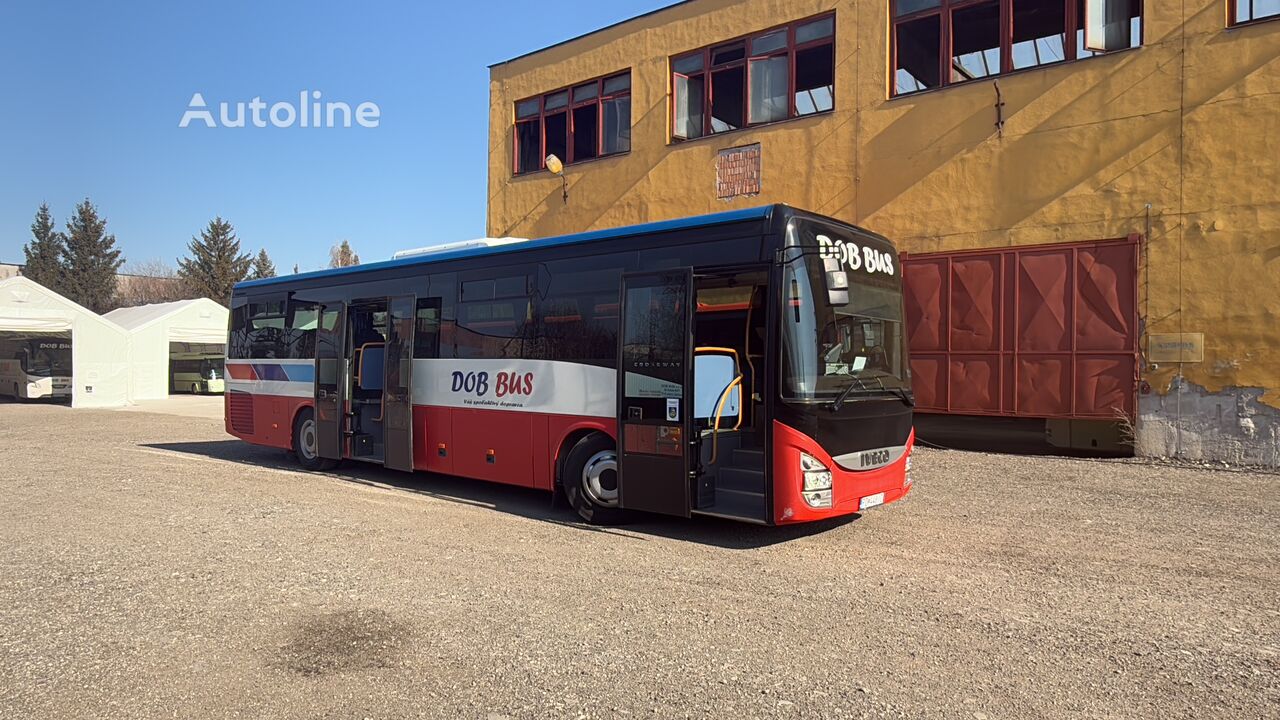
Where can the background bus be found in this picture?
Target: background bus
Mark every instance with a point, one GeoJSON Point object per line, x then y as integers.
{"type": "Point", "coordinates": [198, 372]}
{"type": "Point", "coordinates": [35, 366]}
{"type": "Point", "coordinates": [749, 365]}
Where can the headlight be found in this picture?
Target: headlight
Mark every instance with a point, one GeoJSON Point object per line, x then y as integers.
{"type": "Point", "coordinates": [817, 481]}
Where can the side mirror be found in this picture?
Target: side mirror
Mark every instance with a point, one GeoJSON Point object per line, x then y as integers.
{"type": "Point", "coordinates": [713, 373]}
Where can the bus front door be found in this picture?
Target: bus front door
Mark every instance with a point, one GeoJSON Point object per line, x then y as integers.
{"type": "Point", "coordinates": [331, 371]}
{"type": "Point", "coordinates": [655, 354]}
{"type": "Point", "coordinates": [397, 387]}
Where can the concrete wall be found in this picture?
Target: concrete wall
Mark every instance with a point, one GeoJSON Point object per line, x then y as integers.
{"type": "Point", "coordinates": [1182, 130]}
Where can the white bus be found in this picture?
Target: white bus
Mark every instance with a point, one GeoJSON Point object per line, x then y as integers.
{"type": "Point", "coordinates": [34, 366]}
{"type": "Point", "coordinates": [198, 373]}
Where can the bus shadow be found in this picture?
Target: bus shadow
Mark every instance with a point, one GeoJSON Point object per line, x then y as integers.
{"type": "Point", "coordinates": [513, 500]}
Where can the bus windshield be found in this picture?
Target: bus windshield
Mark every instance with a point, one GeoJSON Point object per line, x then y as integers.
{"type": "Point", "coordinates": [833, 337]}
{"type": "Point", "coordinates": [48, 359]}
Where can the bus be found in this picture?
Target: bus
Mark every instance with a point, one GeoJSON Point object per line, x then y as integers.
{"type": "Point", "coordinates": [750, 364]}
{"type": "Point", "coordinates": [198, 372]}
{"type": "Point", "coordinates": [35, 366]}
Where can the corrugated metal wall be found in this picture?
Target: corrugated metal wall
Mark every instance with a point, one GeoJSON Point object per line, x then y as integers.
{"type": "Point", "coordinates": [1037, 331]}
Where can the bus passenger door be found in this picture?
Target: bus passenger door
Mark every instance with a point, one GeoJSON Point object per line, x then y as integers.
{"type": "Point", "coordinates": [655, 457]}
{"type": "Point", "coordinates": [397, 388]}
{"type": "Point", "coordinates": [331, 371]}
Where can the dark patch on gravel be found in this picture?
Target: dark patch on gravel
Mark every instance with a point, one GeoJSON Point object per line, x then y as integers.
{"type": "Point", "coordinates": [345, 641]}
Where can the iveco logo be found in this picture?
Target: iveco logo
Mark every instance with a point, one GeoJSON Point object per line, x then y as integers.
{"type": "Point", "coordinates": [875, 458]}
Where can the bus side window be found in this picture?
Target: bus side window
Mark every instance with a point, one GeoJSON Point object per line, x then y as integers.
{"type": "Point", "coordinates": [239, 347]}
{"type": "Point", "coordinates": [300, 331]}
{"type": "Point", "coordinates": [426, 339]}
{"type": "Point", "coordinates": [266, 330]}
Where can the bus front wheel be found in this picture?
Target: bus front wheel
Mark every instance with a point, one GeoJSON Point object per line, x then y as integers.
{"type": "Point", "coordinates": [306, 442]}
{"type": "Point", "coordinates": [590, 480]}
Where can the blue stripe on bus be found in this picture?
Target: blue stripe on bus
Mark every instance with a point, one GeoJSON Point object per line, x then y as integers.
{"type": "Point", "coordinates": [757, 213]}
{"type": "Point", "coordinates": [301, 373]}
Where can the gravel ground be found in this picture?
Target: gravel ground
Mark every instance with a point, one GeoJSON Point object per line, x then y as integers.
{"type": "Point", "coordinates": [150, 566]}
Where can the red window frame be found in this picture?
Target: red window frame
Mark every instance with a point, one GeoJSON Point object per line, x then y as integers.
{"type": "Point", "coordinates": [567, 109]}
{"type": "Point", "coordinates": [1233, 7]}
{"type": "Point", "coordinates": [947, 8]}
{"type": "Point", "coordinates": [745, 41]}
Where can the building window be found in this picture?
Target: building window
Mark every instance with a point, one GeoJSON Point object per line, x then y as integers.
{"type": "Point", "coordinates": [778, 74]}
{"type": "Point", "coordinates": [946, 42]}
{"type": "Point", "coordinates": [586, 121]}
{"type": "Point", "coordinates": [1247, 11]}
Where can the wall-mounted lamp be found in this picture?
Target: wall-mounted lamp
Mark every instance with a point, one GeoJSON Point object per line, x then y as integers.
{"type": "Point", "coordinates": [557, 168]}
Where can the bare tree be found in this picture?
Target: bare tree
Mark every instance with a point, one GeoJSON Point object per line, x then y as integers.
{"type": "Point", "coordinates": [153, 281]}
{"type": "Point", "coordinates": [341, 255]}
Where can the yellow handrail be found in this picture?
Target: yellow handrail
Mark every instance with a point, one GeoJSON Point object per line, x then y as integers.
{"type": "Point", "coordinates": [715, 427]}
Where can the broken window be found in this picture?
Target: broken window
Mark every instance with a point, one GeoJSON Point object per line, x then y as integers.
{"type": "Point", "coordinates": [555, 128]}
{"type": "Point", "coordinates": [918, 56]}
{"type": "Point", "coordinates": [727, 95]}
{"type": "Point", "coordinates": [815, 89]}
{"type": "Point", "coordinates": [586, 121]}
{"type": "Point", "coordinates": [1039, 33]}
{"type": "Point", "coordinates": [944, 42]}
{"type": "Point", "coordinates": [1244, 11]}
{"type": "Point", "coordinates": [975, 41]}
{"type": "Point", "coordinates": [770, 76]}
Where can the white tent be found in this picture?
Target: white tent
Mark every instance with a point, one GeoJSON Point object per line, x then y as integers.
{"type": "Point", "coordinates": [152, 327]}
{"type": "Point", "coordinates": [99, 347]}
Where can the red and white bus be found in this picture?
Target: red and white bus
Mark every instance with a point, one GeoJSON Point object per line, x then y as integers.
{"type": "Point", "coordinates": [750, 364]}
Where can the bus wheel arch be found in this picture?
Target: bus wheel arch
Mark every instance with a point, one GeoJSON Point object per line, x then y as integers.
{"type": "Point", "coordinates": [305, 452]}
{"type": "Point", "coordinates": [587, 472]}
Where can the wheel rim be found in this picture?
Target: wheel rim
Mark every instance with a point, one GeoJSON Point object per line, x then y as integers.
{"type": "Point", "coordinates": [307, 439]}
{"type": "Point", "coordinates": [600, 478]}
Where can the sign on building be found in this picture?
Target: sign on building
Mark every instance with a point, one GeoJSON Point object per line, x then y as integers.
{"type": "Point", "coordinates": [738, 172]}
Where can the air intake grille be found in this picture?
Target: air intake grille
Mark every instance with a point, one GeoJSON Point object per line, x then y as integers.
{"type": "Point", "coordinates": [240, 412]}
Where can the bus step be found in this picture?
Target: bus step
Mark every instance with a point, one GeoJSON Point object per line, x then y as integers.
{"type": "Point", "coordinates": [734, 504]}
{"type": "Point", "coordinates": [748, 458]}
{"type": "Point", "coordinates": [734, 479]}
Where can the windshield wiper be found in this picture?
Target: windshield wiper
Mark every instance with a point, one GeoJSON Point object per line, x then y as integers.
{"type": "Point", "coordinates": [844, 394]}
{"type": "Point", "coordinates": [897, 391]}
{"type": "Point", "coordinates": [905, 395]}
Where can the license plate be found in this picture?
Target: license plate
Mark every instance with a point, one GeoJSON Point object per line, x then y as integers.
{"type": "Point", "coordinates": [871, 501]}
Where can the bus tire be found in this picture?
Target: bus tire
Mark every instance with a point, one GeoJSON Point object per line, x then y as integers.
{"type": "Point", "coordinates": [305, 441]}
{"type": "Point", "coordinates": [195, 389]}
{"type": "Point", "coordinates": [590, 480]}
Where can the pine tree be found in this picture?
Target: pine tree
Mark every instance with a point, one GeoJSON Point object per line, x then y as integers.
{"type": "Point", "coordinates": [92, 260]}
{"type": "Point", "coordinates": [262, 267]}
{"type": "Point", "coordinates": [46, 252]}
{"type": "Point", "coordinates": [341, 255]}
{"type": "Point", "coordinates": [215, 264]}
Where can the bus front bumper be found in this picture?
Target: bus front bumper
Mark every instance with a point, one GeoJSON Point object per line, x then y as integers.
{"type": "Point", "coordinates": [850, 491]}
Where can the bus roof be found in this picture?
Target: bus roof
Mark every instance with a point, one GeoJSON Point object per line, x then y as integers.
{"type": "Point", "coordinates": [720, 218]}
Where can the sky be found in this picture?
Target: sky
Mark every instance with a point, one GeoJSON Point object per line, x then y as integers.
{"type": "Point", "coordinates": [92, 93]}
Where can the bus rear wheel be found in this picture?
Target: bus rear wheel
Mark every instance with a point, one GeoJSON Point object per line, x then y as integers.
{"type": "Point", "coordinates": [306, 442]}
{"type": "Point", "coordinates": [590, 480]}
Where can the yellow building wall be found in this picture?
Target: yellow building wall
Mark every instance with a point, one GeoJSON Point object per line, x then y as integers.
{"type": "Point", "coordinates": [1185, 129]}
